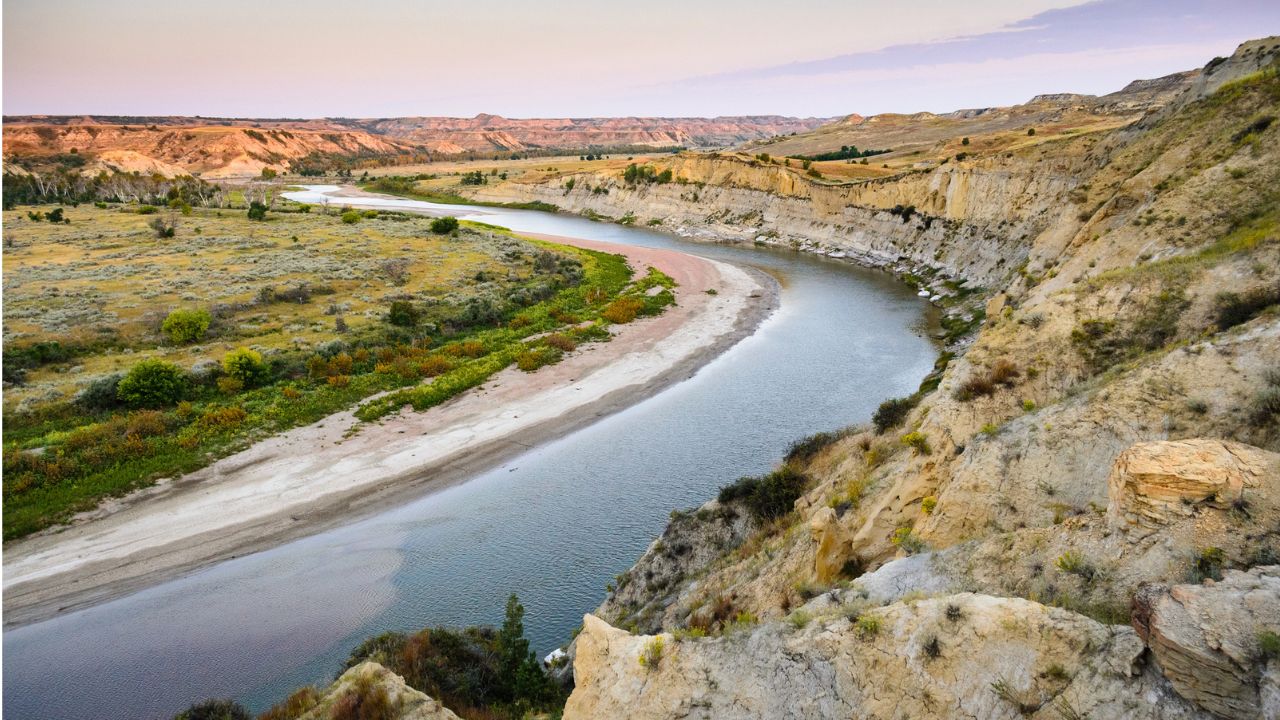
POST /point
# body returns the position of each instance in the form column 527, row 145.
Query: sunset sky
column 520, row 58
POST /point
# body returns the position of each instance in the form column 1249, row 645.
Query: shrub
column 916, row 441
column 929, row 504
column 351, row 217
column 257, row 211
column 100, row 393
column 145, row 423
column 366, row 700
column 564, row 343
column 805, row 449
column 651, row 658
column 230, row 385
column 294, row 706
column 214, row 710
column 244, row 365
column 1231, row 309
column 164, row 228
column 534, row 358
column 1265, row 406
column 623, row 310
column 868, row 625
column 402, row 314
column 222, row 418
column 893, row 412
column 152, row 383
column 1074, row 563
column 1207, row 565
column 184, row 326
column 770, row 496
column 1268, row 645
column 444, row 225
column 906, row 539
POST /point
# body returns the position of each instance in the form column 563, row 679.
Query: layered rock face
column 1152, row 483
column 965, row 655
column 1093, row 480
column 1206, row 640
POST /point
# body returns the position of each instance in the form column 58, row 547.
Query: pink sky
column 285, row 58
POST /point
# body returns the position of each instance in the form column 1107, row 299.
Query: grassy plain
column 308, row 292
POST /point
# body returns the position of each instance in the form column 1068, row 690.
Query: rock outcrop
column 962, row 656
column 1206, row 640
column 1110, row 430
column 1155, row 482
column 372, row 685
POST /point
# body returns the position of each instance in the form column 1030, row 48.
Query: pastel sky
column 557, row 58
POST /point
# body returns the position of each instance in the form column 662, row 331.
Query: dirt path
column 315, row 477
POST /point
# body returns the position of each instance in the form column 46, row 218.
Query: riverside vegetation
column 133, row 354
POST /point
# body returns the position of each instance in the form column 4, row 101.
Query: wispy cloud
column 1096, row 26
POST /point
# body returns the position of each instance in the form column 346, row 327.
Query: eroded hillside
column 1080, row 517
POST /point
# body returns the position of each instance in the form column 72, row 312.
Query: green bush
column 1233, row 309
column 214, row 710
column 244, row 365
column 444, row 225
column 351, row 217
column 100, row 393
column 768, row 497
column 257, row 211
column 184, row 326
column 893, row 412
column 152, row 383
column 403, row 314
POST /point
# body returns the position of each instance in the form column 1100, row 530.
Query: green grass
column 59, row 459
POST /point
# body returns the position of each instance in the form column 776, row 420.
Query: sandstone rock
column 988, row 658
column 1205, row 639
column 405, row 702
column 1154, row 482
column 829, row 556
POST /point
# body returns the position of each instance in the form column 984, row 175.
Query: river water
column 553, row 525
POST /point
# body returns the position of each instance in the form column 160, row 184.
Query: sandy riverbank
column 316, row 477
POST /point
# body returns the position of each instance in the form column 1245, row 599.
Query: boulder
column 1154, row 483
column 371, row 679
column 1205, row 638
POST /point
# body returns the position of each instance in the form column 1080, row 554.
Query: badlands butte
column 1076, row 516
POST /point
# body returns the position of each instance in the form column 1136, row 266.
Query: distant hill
column 220, row 147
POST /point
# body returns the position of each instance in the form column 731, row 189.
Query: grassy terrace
column 307, row 315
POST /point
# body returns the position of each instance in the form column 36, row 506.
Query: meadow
column 134, row 353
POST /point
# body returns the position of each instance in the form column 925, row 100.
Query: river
column 553, row 525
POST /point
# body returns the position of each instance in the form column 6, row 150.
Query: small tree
column 257, row 211
column 444, row 225
column 403, row 314
column 268, row 173
column 244, row 365
column 184, row 326
column 152, row 383
column 965, row 141
column 1031, row 131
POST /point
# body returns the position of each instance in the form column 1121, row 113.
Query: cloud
column 1103, row 25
